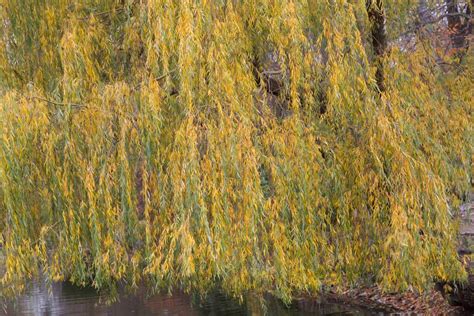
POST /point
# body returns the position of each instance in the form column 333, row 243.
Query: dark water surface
column 67, row 299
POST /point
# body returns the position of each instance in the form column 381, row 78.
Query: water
column 67, row 299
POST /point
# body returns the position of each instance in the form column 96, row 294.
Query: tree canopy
column 257, row 145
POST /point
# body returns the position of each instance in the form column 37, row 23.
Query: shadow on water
column 67, row 299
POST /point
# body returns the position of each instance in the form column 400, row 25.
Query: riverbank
column 430, row 303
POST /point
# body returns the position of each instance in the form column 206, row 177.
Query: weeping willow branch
column 73, row 105
column 103, row 13
column 159, row 78
column 78, row 105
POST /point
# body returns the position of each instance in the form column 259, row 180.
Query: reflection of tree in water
column 68, row 299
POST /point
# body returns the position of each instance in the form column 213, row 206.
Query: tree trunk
column 376, row 14
column 458, row 27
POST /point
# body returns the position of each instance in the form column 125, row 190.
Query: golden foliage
column 163, row 161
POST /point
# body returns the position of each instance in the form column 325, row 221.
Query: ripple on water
column 67, row 299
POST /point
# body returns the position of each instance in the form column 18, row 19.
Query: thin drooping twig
column 55, row 102
column 159, row 78
column 100, row 14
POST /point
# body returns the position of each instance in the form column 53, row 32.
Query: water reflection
column 67, row 299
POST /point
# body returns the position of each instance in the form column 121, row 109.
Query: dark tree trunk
column 376, row 14
column 454, row 23
column 459, row 23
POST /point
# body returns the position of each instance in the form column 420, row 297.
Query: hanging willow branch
column 77, row 105
column 73, row 105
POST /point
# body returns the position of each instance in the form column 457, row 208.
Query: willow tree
column 140, row 144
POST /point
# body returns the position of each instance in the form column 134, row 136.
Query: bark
column 376, row 14
column 459, row 27
column 268, row 74
column 424, row 12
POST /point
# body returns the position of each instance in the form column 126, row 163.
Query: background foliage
column 140, row 142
